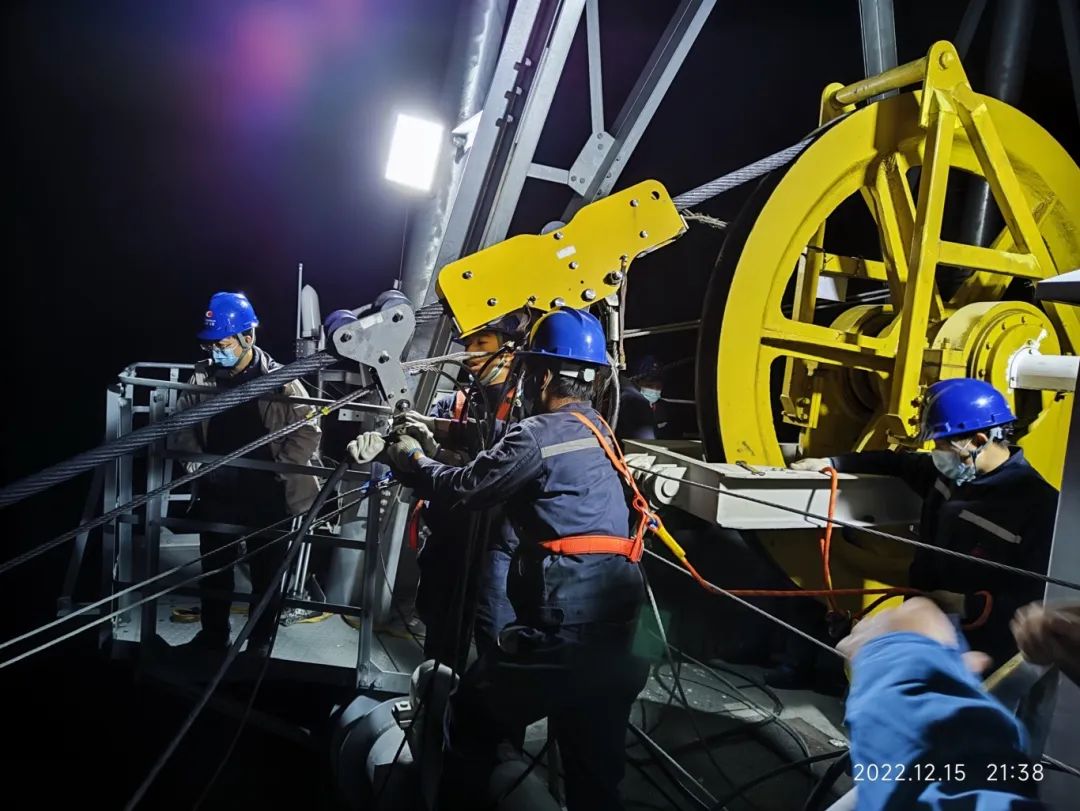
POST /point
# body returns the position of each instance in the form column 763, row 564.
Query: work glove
column 403, row 452
column 423, row 435
column 813, row 465
column 416, row 418
column 366, row 447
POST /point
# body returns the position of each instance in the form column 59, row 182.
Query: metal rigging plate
column 576, row 265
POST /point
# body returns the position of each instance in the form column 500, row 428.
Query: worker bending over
column 981, row 498
column 575, row 581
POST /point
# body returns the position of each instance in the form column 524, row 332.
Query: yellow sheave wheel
column 851, row 378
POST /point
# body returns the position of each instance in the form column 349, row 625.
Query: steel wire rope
column 869, row 530
column 168, row 573
column 224, row 760
column 751, row 171
column 769, row 775
column 140, row 438
column 1059, row 766
column 682, row 693
column 245, row 632
column 768, row 716
column 106, row 452
column 209, row 467
column 736, row 692
column 666, row 764
column 749, row 605
column 135, row 503
column 174, row 587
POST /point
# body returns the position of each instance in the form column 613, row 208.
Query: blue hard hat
column 568, row 334
column 963, row 405
column 227, row 314
column 647, row 366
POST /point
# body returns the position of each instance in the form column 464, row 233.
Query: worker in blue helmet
column 980, row 497
column 464, row 420
column 235, row 495
column 575, row 581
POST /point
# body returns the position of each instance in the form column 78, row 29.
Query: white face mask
column 652, row 395
column 952, row 467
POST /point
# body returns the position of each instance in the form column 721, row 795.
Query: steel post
column 640, row 106
column 71, row 576
column 474, row 56
column 1064, row 739
column 1070, row 28
column 155, row 475
column 877, row 24
column 365, row 668
column 1010, row 42
column 969, row 23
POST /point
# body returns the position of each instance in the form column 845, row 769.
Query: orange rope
column 988, row 606
column 701, row 581
column 615, row 455
column 826, row 538
column 829, row 592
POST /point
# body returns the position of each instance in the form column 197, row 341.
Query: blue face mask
column 224, row 357
column 652, row 395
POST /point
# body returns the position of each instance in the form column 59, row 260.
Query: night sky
column 160, row 151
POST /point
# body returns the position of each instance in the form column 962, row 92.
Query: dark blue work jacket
column 1006, row 516
column 554, row 481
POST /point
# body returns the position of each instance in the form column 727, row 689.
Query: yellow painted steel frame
column 576, row 266
column 887, row 355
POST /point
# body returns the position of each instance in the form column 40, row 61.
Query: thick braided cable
column 88, row 460
column 137, row 502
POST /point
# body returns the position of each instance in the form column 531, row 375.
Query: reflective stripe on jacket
column 554, row 481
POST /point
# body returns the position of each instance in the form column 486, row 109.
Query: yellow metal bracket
column 911, row 230
column 576, row 266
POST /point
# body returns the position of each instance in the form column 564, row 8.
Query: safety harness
column 458, row 413
column 631, row 548
column 461, row 402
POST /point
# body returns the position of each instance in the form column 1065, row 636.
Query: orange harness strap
column 460, row 401
column 632, row 548
column 412, row 527
column 458, row 414
column 594, row 545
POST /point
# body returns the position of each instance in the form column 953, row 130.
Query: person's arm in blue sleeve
column 916, row 469
column 924, row 734
column 492, row 477
column 443, row 407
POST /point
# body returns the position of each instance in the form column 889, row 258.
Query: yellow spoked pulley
column 775, row 359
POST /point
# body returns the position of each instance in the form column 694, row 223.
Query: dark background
column 160, row 151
